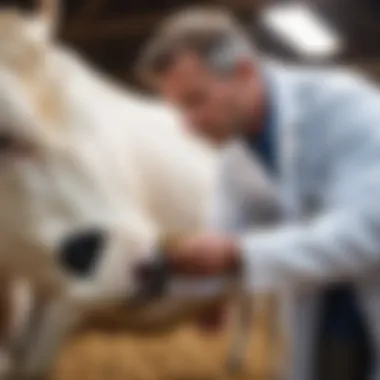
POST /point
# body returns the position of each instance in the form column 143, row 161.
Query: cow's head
column 62, row 211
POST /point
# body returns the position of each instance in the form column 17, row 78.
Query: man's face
column 210, row 102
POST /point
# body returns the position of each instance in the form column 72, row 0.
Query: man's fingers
column 208, row 254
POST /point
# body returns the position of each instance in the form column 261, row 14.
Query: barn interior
column 109, row 33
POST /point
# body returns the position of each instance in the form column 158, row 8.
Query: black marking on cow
column 80, row 252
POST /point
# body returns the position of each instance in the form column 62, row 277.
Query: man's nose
column 80, row 252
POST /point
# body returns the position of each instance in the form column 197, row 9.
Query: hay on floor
column 182, row 354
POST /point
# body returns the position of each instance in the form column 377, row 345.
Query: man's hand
column 204, row 254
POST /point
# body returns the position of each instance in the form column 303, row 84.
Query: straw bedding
column 182, row 354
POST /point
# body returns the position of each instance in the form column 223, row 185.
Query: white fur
column 120, row 163
column 102, row 157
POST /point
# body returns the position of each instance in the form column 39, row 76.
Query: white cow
column 85, row 167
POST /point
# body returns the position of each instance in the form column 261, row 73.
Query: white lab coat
column 328, row 142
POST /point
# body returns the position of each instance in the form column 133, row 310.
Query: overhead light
column 302, row 29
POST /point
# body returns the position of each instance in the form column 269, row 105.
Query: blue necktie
column 263, row 144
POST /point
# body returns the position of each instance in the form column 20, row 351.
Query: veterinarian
column 316, row 134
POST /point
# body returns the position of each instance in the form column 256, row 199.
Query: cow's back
column 172, row 172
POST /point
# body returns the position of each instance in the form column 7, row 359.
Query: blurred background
column 110, row 32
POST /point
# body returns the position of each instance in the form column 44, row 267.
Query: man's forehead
column 189, row 62
column 188, row 70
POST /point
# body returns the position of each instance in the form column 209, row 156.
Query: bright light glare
column 302, row 29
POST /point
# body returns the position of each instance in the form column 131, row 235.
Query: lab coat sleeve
column 343, row 241
column 244, row 195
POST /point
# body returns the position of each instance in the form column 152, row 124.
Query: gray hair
column 228, row 52
column 212, row 33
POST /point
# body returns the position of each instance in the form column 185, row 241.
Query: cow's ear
column 47, row 18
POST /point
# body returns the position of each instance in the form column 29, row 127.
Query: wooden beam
column 83, row 30
column 138, row 24
column 89, row 9
column 241, row 5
